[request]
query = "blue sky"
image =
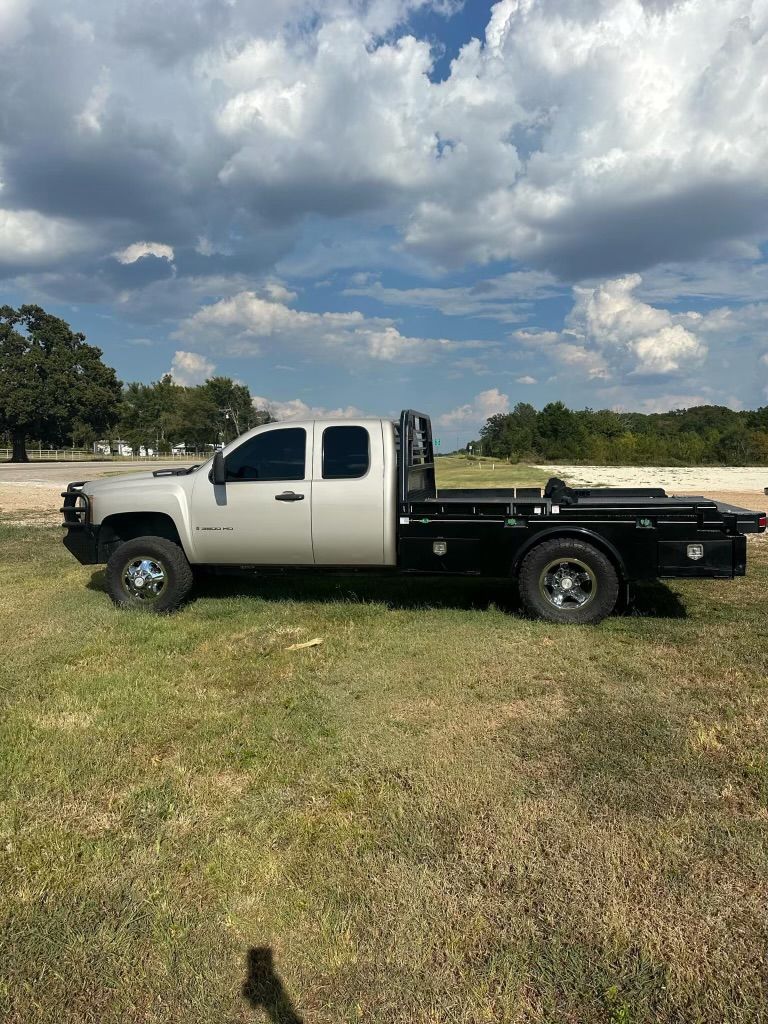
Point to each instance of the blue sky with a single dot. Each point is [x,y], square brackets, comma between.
[359,205]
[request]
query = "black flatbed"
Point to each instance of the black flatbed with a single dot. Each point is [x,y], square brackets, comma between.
[646,532]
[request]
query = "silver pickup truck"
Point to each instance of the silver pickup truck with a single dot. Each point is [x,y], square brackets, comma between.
[361,495]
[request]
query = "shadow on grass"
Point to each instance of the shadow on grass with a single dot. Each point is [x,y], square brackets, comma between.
[651,600]
[654,600]
[263,988]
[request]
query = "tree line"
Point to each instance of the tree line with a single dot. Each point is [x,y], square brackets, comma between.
[702,435]
[55,390]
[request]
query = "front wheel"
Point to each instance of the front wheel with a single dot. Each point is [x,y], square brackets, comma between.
[567,580]
[149,572]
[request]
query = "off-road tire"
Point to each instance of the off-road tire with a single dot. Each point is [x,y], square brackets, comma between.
[154,551]
[603,582]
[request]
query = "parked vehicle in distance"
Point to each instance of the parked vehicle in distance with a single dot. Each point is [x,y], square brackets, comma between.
[360,495]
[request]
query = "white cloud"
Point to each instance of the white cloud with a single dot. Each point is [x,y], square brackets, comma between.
[190,368]
[611,333]
[525,380]
[629,333]
[297,409]
[14,21]
[487,403]
[666,403]
[90,117]
[242,323]
[29,238]
[505,298]
[626,120]
[138,250]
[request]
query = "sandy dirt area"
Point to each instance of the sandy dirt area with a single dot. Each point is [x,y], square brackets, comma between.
[30,504]
[30,493]
[674,479]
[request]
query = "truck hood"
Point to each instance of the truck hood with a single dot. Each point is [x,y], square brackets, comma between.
[126,481]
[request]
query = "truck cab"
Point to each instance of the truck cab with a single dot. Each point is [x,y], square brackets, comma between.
[361,495]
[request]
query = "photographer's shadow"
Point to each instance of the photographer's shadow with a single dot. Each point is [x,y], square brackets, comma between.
[263,988]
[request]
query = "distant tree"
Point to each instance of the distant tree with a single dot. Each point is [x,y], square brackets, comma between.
[51,381]
[199,421]
[233,404]
[699,435]
[758,447]
[560,434]
[149,414]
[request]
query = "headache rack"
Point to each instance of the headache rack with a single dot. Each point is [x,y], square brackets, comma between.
[416,457]
[77,506]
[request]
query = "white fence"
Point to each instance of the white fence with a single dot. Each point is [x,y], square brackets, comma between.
[81,455]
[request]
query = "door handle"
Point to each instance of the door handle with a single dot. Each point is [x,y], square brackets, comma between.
[289,496]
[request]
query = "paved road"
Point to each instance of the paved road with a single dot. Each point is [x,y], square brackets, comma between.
[37,473]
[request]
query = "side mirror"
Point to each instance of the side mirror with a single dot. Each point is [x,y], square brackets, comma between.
[219,469]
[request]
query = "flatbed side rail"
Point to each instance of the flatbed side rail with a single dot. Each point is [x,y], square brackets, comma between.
[77,506]
[742,520]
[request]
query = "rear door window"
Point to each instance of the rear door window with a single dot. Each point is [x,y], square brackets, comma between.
[346,453]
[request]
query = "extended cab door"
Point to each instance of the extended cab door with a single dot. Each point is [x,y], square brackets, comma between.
[263,515]
[348,494]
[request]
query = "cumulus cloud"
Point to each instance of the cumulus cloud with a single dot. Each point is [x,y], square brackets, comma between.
[487,403]
[629,333]
[585,137]
[138,250]
[610,332]
[298,409]
[245,322]
[190,368]
[527,379]
[621,144]
[29,238]
[580,141]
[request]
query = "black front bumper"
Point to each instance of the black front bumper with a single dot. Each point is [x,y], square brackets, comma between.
[82,537]
[83,543]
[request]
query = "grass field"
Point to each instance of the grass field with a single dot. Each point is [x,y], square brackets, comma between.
[443,813]
[455,471]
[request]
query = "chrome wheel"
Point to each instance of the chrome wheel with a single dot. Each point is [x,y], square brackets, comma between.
[144,579]
[568,583]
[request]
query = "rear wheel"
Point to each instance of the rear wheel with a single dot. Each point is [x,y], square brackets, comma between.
[149,572]
[567,580]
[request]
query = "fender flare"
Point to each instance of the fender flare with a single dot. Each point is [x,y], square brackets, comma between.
[577,532]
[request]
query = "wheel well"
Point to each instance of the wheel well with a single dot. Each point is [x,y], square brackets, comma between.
[123,526]
[585,536]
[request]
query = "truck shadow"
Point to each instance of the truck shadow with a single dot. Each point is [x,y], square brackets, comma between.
[651,600]
[395,592]
[655,600]
[263,988]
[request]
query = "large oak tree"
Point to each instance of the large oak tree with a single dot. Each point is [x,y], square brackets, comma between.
[51,380]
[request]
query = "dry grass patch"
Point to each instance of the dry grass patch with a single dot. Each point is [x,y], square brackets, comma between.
[445,813]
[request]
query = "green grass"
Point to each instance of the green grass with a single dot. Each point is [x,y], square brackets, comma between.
[458,471]
[444,813]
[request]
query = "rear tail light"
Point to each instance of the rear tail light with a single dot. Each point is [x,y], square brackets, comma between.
[761,522]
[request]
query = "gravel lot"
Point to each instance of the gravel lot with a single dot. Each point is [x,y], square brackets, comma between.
[30,492]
